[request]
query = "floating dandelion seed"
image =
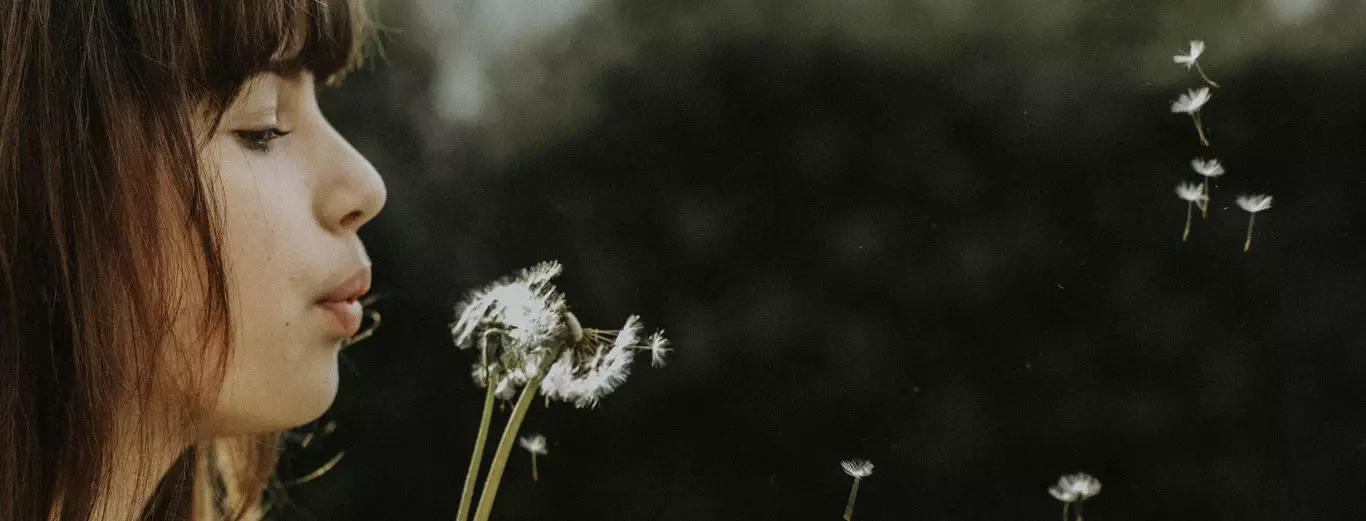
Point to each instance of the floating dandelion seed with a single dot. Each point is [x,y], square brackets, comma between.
[1192,195]
[857,469]
[1252,204]
[1190,103]
[535,444]
[1074,488]
[1207,169]
[1063,494]
[1191,59]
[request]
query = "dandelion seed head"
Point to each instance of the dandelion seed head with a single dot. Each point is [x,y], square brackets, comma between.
[512,321]
[1190,192]
[594,367]
[1254,203]
[534,444]
[858,468]
[1078,486]
[1191,101]
[525,308]
[1207,168]
[658,347]
[1062,494]
[1188,59]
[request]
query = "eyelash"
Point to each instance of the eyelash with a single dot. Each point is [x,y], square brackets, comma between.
[259,140]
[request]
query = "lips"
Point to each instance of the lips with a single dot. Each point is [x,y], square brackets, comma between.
[342,304]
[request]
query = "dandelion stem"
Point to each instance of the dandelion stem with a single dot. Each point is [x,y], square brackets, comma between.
[467,493]
[1201,70]
[1065,504]
[1251,217]
[849,508]
[1187,232]
[1080,504]
[1204,205]
[1199,128]
[500,457]
[535,476]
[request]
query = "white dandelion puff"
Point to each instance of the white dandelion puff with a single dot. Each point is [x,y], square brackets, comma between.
[595,365]
[1074,488]
[1193,195]
[1207,168]
[528,339]
[1252,204]
[1190,103]
[1191,59]
[658,346]
[858,469]
[1188,59]
[1084,485]
[512,320]
[1062,494]
[536,445]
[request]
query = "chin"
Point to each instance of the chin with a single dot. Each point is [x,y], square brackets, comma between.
[258,410]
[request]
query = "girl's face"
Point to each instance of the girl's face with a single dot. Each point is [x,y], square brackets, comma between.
[293,195]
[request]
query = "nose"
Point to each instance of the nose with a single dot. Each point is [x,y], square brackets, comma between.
[352,191]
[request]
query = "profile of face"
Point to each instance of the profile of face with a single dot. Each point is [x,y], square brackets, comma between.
[293,194]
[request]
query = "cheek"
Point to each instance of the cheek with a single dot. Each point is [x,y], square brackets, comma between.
[282,371]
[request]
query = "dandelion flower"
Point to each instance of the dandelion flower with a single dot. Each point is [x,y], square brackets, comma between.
[599,362]
[535,444]
[528,339]
[1074,488]
[1192,195]
[1207,169]
[657,345]
[1190,103]
[857,469]
[1084,485]
[1190,59]
[511,321]
[1062,494]
[1252,204]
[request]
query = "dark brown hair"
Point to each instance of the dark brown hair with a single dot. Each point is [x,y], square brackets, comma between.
[102,201]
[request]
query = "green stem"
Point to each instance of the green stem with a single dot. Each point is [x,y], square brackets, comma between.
[500,457]
[535,476]
[1187,232]
[1065,504]
[849,508]
[1248,243]
[467,493]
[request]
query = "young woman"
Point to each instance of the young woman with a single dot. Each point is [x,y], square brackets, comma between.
[178,252]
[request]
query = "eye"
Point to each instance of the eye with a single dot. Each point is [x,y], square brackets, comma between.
[259,140]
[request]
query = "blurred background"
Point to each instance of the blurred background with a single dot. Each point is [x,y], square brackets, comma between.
[937,234]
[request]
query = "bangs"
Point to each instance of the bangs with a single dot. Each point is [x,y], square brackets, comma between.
[240,38]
